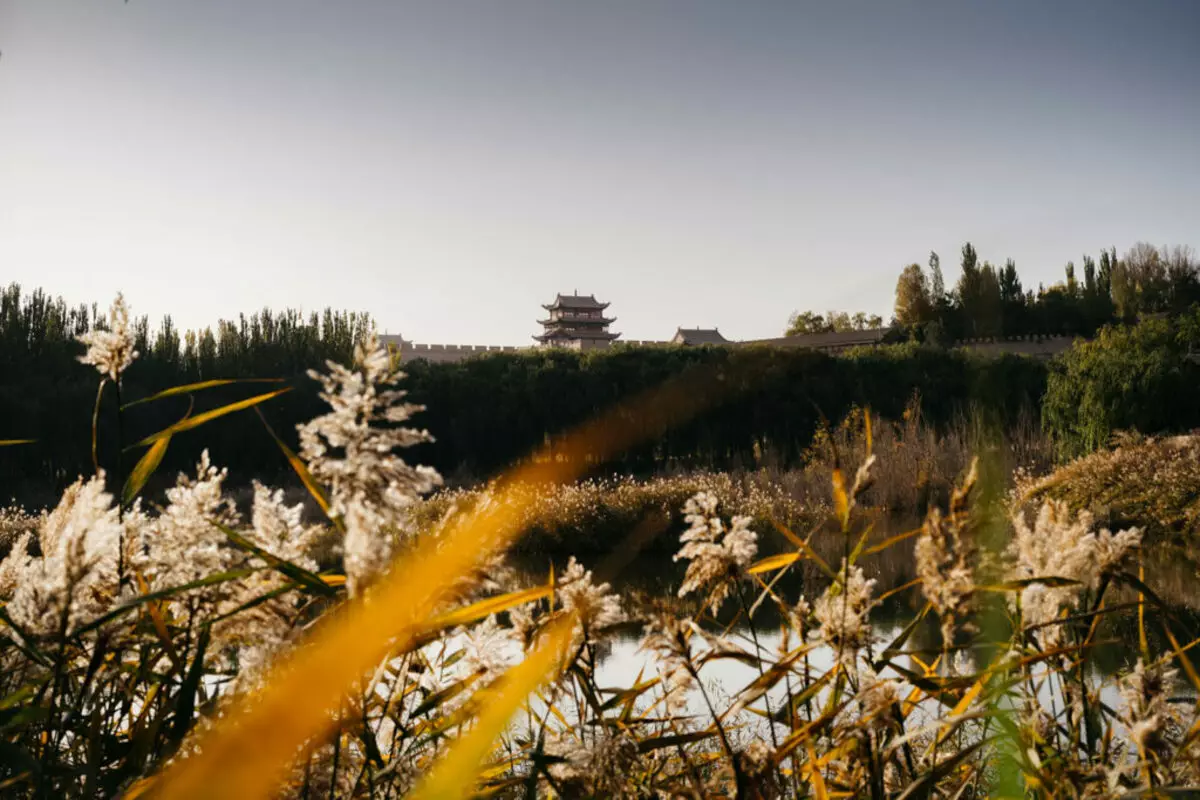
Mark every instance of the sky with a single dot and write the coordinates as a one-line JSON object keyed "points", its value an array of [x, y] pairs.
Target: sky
{"points": [[450, 166]]}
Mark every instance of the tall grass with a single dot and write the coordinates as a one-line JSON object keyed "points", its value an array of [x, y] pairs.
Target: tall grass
{"points": [[194, 650]]}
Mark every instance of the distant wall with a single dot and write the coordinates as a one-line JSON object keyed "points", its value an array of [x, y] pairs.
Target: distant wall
{"points": [[1035, 346], [1044, 347], [441, 353]]}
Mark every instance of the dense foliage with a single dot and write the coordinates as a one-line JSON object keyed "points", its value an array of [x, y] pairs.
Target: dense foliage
{"points": [[989, 300], [1142, 377], [194, 650], [47, 395], [488, 412]]}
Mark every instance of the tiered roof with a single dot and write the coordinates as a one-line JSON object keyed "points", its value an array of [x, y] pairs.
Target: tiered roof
{"points": [[575, 301], [575, 318]]}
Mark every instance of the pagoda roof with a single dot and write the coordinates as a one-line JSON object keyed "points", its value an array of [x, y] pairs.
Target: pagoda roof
{"points": [[558, 333], [575, 301], [575, 320]]}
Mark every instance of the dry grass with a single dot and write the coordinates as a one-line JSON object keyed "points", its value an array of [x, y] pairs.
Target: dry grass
{"points": [[194, 652], [1150, 482]]}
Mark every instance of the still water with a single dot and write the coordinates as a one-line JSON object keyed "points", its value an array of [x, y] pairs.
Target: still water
{"points": [[654, 577]]}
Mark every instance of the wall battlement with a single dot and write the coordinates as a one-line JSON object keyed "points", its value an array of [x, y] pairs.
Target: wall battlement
{"points": [[1037, 346]]}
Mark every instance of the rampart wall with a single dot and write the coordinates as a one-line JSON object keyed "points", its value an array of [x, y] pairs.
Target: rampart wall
{"points": [[1036, 346]]}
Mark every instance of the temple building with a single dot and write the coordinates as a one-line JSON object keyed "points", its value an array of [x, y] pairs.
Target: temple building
{"points": [[576, 322]]}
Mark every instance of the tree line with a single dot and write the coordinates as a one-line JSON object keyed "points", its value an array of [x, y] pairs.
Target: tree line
{"points": [[486, 412], [490, 411], [50, 397], [989, 300]]}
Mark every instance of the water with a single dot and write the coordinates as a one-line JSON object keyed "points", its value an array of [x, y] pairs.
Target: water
{"points": [[653, 578]]}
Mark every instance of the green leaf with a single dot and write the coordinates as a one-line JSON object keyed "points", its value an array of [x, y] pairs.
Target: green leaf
{"points": [[208, 580], [297, 573], [196, 387], [186, 706], [659, 742], [208, 416], [26, 644]]}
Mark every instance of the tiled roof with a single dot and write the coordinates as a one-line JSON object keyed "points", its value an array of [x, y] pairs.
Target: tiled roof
{"points": [[575, 301], [697, 336]]}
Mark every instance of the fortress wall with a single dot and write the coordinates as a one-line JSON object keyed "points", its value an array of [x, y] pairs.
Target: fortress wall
{"points": [[1036, 346], [444, 353]]}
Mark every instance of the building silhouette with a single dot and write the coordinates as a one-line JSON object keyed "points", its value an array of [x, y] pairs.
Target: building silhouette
{"points": [[576, 322]]}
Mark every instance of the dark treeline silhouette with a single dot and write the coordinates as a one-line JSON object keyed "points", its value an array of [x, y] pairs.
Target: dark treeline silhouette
{"points": [[989, 300], [47, 395], [486, 413]]}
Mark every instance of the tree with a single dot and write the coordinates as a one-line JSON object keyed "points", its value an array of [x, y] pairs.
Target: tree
{"points": [[914, 306], [1012, 300], [1130, 377], [831, 322], [989, 309], [968, 291], [937, 284], [802, 322]]}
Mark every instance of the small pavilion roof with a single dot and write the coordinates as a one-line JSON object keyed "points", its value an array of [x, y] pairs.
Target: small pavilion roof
{"points": [[698, 336]]}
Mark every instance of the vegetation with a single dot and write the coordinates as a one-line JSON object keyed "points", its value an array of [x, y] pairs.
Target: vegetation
{"points": [[1147, 481], [771, 401], [989, 300], [194, 650], [1140, 377], [832, 322]]}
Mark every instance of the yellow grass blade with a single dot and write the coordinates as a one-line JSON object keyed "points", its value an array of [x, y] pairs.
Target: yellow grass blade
{"points": [[815, 777], [196, 387], [146, 465], [252, 745], [1142, 642], [841, 499], [298, 466], [207, 416], [774, 562], [898, 589], [891, 540], [11, 442], [489, 606], [455, 775], [160, 626], [805, 549], [1184, 661], [96, 425]]}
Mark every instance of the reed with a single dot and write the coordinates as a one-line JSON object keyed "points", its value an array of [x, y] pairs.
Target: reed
{"points": [[196, 650]]}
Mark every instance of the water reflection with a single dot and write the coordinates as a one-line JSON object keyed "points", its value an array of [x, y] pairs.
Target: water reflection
{"points": [[654, 577]]}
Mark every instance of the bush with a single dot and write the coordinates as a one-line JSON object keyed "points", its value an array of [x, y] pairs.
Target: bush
{"points": [[1138, 377]]}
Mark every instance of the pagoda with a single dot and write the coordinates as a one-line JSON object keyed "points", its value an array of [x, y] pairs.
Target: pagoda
{"points": [[576, 322]]}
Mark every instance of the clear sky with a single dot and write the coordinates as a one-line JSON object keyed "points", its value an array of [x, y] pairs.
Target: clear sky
{"points": [[448, 166]]}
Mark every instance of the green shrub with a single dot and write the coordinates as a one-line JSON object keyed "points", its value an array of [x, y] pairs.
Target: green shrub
{"points": [[1138, 377]]}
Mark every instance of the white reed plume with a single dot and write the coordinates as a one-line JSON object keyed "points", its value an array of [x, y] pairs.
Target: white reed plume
{"points": [[371, 488], [111, 351], [718, 555]]}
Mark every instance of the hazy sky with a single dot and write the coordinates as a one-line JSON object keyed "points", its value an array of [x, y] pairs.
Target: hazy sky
{"points": [[448, 166]]}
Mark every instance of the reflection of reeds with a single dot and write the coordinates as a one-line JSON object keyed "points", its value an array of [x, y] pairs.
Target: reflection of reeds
{"points": [[439, 674]]}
